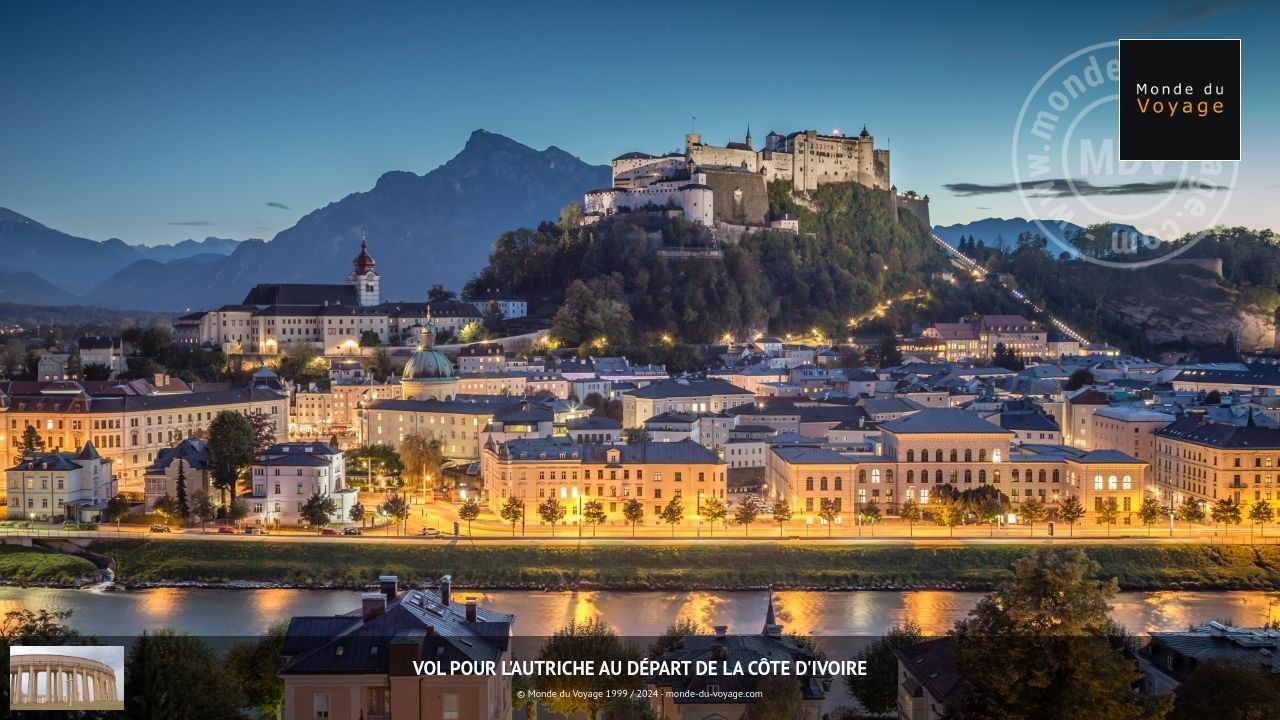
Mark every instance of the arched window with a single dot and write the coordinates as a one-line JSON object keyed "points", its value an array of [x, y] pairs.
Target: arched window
{"points": [[951, 477], [982, 476], [1041, 474], [1128, 483], [982, 455], [808, 483], [911, 476], [995, 476], [1056, 476], [888, 476], [875, 475], [822, 483], [968, 476], [862, 476], [968, 455], [1015, 474], [937, 455], [1097, 482], [1111, 482], [995, 455], [937, 477], [839, 484], [911, 456], [954, 456]]}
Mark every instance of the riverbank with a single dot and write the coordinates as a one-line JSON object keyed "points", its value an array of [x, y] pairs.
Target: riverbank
{"points": [[28, 566], [142, 563]]}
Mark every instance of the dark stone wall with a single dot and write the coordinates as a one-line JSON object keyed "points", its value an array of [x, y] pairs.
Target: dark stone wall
{"points": [[740, 197]]}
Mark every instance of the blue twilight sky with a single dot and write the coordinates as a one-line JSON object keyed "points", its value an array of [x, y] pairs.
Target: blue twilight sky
{"points": [[155, 122]]}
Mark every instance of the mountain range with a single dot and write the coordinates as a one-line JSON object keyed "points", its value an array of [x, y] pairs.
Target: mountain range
{"points": [[991, 231], [422, 229]]}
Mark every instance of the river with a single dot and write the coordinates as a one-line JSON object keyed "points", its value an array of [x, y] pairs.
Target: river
{"points": [[225, 613]]}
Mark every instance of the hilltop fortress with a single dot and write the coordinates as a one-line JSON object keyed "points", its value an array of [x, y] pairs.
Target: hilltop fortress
{"points": [[725, 188]]}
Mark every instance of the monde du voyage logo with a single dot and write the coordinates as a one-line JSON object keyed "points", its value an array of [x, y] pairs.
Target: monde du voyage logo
{"points": [[1180, 100]]}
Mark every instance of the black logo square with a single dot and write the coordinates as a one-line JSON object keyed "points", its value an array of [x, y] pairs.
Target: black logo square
{"points": [[1180, 100]]}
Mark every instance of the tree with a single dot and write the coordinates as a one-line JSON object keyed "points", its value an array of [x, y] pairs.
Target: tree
{"points": [[36, 627], [1223, 690], [1150, 512], [469, 511], [423, 457], [97, 372], [231, 448], [117, 507], [591, 640], [171, 675], [1022, 648], [75, 366], [1006, 357], [202, 506], [714, 512], [264, 431], [1108, 513], [251, 667], [877, 690], [633, 512], [1032, 511], [356, 513], [1190, 511], [396, 508], [551, 511], [437, 294], [780, 699], [594, 515], [381, 456], [1227, 512], [781, 512], [871, 515], [910, 514], [1213, 397], [890, 355], [184, 508], [829, 510], [673, 513], [513, 512], [237, 510], [747, 512], [318, 510], [166, 507], [31, 441], [1261, 513], [494, 321], [635, 436], [1071, 512], [380, 364], [1079, 379], [369, 338]]}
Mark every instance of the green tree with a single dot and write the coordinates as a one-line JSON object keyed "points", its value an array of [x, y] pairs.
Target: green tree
{"points": [[369, 338], [780, 699], [1071, 512], [635, 436], [1261, 513], [1108, 513], [829, 510], [1223, 690], [117, 507], [469, 511], [551, 511], [870, 515], [592, 640], [1150, 512], [1213, 397], [1190, 511], [168, 675], [356, 513], [910, 514], [396, 508], [1032, 512], [1079, 379], [251, 667], [166, 507], [237, 510], [184, 508], [494, 322], [97, 372], [75, 367], [202, 507], [877, 689], [318, 510], [633, 512], [512, 512], [594, 515], [673, 513], [781, 512], [437, 294], [714, 512], [31, 441], [747, 512], [231, 448], [264, 430], [890, 355], [423, 457], [1226, 512], [1022, 648], [380, 364]]}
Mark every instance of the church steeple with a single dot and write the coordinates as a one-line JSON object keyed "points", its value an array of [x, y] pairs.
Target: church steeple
{"points": [[749, 137], [363, 278]]}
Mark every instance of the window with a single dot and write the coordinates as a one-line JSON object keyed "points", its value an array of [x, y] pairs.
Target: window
{"points": [[1097, 482], [449, 706], [320, 706]]}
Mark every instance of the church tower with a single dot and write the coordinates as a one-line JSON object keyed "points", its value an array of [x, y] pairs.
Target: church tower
{"points": [[749, 145], [367, 283]]}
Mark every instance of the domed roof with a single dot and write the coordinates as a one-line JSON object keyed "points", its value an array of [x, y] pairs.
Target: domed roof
{"points": [[427, 364], [363, 262]]}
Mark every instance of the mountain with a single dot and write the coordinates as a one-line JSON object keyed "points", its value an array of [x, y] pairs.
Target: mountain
{"points": [[422, 229], [151, 284], [187, 248], [991, 230], [23, 287]]}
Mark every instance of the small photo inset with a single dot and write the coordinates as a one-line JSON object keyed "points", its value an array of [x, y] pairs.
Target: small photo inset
{"points": [[66, 677]]}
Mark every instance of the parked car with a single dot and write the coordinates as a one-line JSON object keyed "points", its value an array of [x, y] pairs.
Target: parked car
{"points": [[257, 530], [429, 532], [160, 529], [352, 531], [226, 530], [70, 525], [329, 531]]}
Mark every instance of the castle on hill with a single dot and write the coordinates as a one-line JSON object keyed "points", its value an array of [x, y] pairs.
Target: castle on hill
{"points": [[726, 187]]}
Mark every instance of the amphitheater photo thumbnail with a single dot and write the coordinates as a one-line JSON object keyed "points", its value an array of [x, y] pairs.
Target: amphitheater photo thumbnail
{"points": [[66, 678]]}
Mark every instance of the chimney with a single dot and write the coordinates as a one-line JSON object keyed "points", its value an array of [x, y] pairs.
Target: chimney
{"points": [[389, 585], [471, 609], [372, 605], [446, 590]]}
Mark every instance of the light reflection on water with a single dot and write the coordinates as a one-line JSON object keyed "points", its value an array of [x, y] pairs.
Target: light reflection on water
{"points": [[244, 612]]}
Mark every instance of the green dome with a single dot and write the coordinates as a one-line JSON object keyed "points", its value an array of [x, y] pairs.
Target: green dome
{"points": [[427, 364]]}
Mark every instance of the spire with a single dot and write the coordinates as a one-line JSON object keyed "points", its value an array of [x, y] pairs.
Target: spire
{"points": [[748, 134], [363, 263], [771, 626], [425, 339]]}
